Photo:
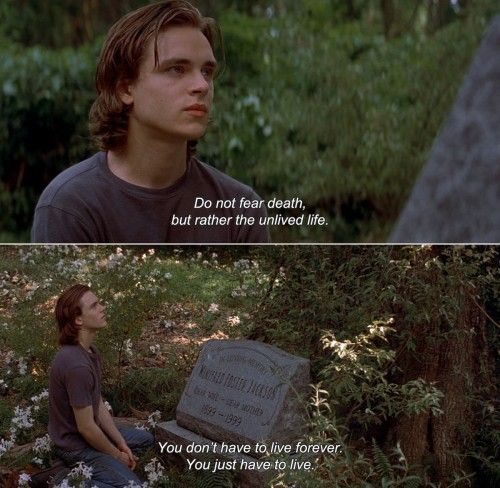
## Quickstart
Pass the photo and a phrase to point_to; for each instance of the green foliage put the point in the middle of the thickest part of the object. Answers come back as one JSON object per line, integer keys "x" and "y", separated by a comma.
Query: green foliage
{"x": 151, "y": 388}
{"x": 345, "y": 123}
{"x": 200, "y": 479}
{"x": 381, "y": 461}
{"x": 59, "y": 23}
{"x": 354, "y": 311}
{"x": 367, "y": 309}
{"x": 219, "y": 479}
{"x": 356, "y": 374}
{"x": 45, "y": 98}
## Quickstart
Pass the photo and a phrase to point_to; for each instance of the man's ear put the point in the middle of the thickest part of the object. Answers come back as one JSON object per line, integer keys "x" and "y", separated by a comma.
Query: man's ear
{"x": 78, "y": 320}
{"x": 124, "y": 90}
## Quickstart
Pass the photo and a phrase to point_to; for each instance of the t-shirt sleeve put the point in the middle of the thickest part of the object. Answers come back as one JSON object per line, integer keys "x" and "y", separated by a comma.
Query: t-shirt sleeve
{"x": 257, "y": 233}
{"x": 79, "y": 385}
{"x": 54, "y": 225}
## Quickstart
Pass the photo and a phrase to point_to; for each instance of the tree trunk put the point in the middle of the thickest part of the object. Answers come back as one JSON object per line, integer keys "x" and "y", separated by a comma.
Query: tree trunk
{"x": 388, "y": 15}
{"x": 352, "y": 12}
{"x": 451, "y": 357}
{"x": 439, "y": 13}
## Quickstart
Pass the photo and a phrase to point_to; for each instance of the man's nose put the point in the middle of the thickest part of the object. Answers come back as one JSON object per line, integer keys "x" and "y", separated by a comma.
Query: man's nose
{"x": 200, "y": 84}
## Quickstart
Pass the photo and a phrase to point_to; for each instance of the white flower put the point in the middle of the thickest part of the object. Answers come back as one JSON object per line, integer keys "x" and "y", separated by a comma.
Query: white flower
{"x": 23, "y": 367}
{"x": 154, "y": 471}
{"x": 234, "y": 320}
{"x": 81, "y": 469}
{"x": 22, "y": 418}
{"x": 42, "y": 444}
{"x": 214, "y": 308}
{"x": 155, "y": 349}
{"x": 63, "y": 484}
{"x": 133, "y": 484}
{"x": 167, "y": 324}
{"x": 154, "y": 418}
{"x": 5, "y": 445}
{"x": 41, "y": 396}
{"x": 128, "y": 347}
{"x": 24, "y": 479}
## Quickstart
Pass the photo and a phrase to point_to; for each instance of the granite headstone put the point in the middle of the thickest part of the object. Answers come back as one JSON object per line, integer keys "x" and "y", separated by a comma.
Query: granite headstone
{"x": 241, "y": 392}
{"x": 244, "y": 392}
{"x": 458, "y": 193}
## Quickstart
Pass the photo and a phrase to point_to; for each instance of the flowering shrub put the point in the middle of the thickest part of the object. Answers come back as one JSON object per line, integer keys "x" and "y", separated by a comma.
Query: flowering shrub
{"x": 155, "y": 473}
{"x": 23, "y": 420}
{"x": 151, "y": 422}
{"x": 23, "y": 480}
{"x": 76, "y": 477}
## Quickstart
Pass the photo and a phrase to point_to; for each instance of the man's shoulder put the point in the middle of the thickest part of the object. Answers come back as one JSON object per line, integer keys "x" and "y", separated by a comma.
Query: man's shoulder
{"x": 71, "y": 181}
{"x": 69, "y": 357}
{"x": 229, "y": 186}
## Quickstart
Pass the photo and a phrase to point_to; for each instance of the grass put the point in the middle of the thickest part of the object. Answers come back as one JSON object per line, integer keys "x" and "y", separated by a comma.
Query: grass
{"x": 161, "y": 306}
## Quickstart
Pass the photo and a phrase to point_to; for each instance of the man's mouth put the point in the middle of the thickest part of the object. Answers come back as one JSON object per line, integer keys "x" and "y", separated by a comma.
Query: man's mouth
{"x": 197, "y": 109}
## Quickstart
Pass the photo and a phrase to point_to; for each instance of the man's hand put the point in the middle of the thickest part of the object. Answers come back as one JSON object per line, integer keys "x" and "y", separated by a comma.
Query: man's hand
{"x": 109, "y": 427}
{"x": 123, "y": 458}
{"x": 94, "y": 435}
{"x": 125, "y": 451}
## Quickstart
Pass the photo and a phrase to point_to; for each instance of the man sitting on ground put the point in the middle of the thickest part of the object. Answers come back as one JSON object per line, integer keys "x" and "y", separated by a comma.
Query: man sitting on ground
{"x": 80, "y": 425}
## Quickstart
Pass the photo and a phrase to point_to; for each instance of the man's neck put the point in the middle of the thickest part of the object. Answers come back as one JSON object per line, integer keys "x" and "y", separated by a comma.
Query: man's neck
{"x": 86, "y": 338}
{"x": 150, "y": 164}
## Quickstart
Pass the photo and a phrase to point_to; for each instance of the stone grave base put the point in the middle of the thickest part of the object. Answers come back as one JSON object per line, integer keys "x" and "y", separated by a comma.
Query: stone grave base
{"x": 172, "y": 433}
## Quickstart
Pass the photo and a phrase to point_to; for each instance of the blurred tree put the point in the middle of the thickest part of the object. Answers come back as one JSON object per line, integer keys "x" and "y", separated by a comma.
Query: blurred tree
{"x": 439, "y": 13}
{"x": 59, "y": 23}
{"x": 387, "y": 8}
{"x": 399, "y": 18}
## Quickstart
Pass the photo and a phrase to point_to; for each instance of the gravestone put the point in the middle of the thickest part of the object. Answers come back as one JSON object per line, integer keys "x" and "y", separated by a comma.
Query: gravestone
{"x": 457, "y": 196}
{"x": 241, "y": 392}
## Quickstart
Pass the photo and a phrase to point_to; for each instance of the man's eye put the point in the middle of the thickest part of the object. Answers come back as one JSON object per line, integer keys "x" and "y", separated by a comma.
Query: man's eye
{"x": 177, "y": 69}
{"x": 208, "y": 73}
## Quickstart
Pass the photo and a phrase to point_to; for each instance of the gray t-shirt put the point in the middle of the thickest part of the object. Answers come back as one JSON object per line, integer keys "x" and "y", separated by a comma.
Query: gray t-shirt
{"x": 88, "y": 203}
{"x": 75, "y": 381}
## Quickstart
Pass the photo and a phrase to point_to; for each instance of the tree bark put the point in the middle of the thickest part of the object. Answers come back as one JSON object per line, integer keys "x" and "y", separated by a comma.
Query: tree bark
{"x": 451, "y": 357}
{"x": 388, "y": 15}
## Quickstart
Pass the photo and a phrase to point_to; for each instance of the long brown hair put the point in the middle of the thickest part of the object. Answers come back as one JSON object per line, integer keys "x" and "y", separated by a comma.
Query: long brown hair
{"x": 67, "y": 310}
{"x": 120, "y": 59}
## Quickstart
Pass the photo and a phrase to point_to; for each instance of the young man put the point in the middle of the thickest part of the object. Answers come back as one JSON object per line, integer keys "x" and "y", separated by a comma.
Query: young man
{"x": 80, "y": 426}
{"x": 155, "y": 84}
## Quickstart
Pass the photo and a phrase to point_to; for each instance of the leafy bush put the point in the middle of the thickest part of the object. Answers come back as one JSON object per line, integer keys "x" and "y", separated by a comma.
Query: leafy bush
{"x": 345, "y": 123}
{"x": 45, "y": 100}
{"x": 383, "y": 317}
{"x": 386, "y": 330}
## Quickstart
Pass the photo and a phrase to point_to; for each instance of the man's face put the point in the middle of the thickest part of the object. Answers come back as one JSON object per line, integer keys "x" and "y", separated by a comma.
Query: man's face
{"x": 172, "y": 101}
{"x": 93, "y": 312}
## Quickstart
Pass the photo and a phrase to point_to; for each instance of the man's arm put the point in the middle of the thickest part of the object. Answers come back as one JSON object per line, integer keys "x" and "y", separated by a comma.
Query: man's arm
{"x": 93, "y": 434}
{"x": 54, "y": 225}
{"x": 109, "y": 427}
